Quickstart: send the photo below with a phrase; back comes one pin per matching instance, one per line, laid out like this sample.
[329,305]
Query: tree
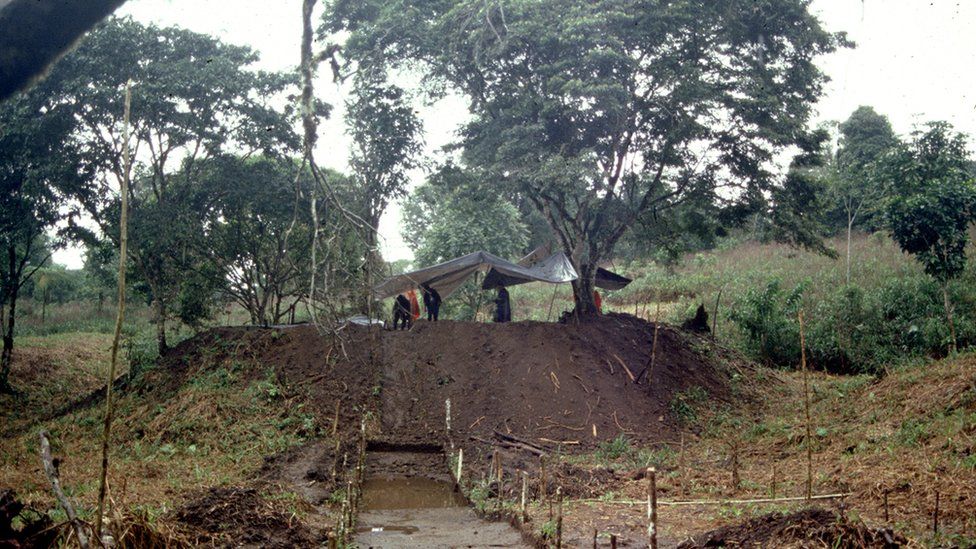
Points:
[615,108]
[39,173]
[455,213]
[193,97]
[865,137]
[933,203]
[256,235]
[386,136]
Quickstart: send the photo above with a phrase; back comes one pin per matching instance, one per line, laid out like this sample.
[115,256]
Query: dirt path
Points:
[409,501]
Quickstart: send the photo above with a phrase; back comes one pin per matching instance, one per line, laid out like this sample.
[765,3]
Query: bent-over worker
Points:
[401,312]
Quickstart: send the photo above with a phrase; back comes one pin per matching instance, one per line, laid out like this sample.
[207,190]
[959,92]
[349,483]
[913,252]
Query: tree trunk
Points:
[948,311]
[6,359]
[44,296]
[850,223]
[583,292]
[160,313]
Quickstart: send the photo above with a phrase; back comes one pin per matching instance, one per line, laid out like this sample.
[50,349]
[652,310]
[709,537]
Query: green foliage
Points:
[454,213]
[701,94]
[180,123]
[685,404]
[934,200]
[768,317]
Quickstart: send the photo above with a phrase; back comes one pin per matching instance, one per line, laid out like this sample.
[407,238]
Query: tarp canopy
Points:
[541,259]
[446,277]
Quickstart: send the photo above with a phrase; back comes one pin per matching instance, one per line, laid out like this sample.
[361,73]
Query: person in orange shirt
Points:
[414,305]
[598,300]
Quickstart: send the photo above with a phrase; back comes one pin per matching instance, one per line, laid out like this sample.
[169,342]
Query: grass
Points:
[214,430]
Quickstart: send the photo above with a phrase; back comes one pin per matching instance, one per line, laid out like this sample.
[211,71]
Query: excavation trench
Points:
[410,500]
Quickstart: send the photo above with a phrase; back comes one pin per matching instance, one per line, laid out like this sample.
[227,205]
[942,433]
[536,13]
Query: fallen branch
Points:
[713,502]
[514,439]
[51,468]
[511,445]
[569,442]
[626,369]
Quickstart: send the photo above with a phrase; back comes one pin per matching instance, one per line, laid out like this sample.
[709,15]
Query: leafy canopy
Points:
[611,108]
[934,199]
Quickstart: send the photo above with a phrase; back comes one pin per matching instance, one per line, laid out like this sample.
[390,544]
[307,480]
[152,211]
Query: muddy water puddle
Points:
[408,501]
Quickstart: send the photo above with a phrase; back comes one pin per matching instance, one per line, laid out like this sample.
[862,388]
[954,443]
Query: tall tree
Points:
[865,137]
[193,97]
[386,135]
[40,173]
[933,203]
[614,108]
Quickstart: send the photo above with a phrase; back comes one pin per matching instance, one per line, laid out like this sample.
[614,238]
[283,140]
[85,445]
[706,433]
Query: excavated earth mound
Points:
[549,385]
[806,528]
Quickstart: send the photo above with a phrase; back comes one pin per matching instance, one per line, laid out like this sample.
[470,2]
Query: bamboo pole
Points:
[460,465]
[335,420]
[559,516]
[525,493]
[652,508]
[806,406]
[713,502]
[120,314]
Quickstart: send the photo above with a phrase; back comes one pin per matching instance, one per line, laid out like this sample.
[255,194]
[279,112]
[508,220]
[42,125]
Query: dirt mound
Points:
[552,384]
[565,386]
[808,528]
[237,517]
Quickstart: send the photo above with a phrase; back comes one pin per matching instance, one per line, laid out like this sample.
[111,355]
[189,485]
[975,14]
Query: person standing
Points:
[503,307]
[414,305]
[432,302]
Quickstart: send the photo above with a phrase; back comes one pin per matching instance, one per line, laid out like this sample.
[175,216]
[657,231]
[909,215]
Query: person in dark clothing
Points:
[432,302]
[503,308]
[401,312]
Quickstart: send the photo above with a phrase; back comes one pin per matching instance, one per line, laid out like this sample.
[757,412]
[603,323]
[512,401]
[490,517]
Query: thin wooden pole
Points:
[543,484]
[120,314]
[652,507]
[559,516]
[460,466]
[806,406]
[335,420]
[595,533]
[718,298]
[886,505]
[613,541]
[552,302]
[935,515]
[525,493]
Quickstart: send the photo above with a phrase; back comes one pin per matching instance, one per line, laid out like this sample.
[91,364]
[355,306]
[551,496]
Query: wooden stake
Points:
[335,420]
[120,313]
[559,516]
[735,465]
[543,486]
[935,515]
[715,314]
[806,406]
[652,508]
[773,484]
[460,466]
[886,505]
[525,493]
[595,531]
[55,478]
[613,541]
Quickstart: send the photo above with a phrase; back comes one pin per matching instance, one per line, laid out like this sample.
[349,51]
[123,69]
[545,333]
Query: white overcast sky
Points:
[915,61]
